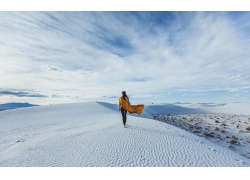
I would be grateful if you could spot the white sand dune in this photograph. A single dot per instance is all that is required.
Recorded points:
(233, 108)
(91, 134)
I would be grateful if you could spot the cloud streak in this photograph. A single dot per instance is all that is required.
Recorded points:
(21, 94)
(96, 55)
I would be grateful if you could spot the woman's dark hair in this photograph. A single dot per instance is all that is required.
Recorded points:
(124, 95)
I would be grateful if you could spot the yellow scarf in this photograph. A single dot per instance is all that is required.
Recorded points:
(125, 104)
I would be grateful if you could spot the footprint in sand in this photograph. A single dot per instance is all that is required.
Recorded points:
(240, 161)
(211, 149)
(199, 141)
(21, 140)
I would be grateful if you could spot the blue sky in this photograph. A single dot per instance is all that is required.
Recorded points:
(60, 57)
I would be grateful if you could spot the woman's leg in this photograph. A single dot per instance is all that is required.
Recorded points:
(124, 118)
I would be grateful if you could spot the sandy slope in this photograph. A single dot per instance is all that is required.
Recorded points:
(91, 134)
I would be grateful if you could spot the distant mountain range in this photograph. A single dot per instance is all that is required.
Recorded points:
(15, 105)
(181, 103)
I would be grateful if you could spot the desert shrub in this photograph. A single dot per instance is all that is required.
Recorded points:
(196, 131)
(233, 141)
(207, 134)
(234, 137)
(216, 129)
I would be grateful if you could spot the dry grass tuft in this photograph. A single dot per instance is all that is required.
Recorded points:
(196, 131)
(233, 141)
(207, 134)
(222, 131)
(234, 137)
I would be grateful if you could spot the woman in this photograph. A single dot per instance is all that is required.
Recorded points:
(124, 106)
(122, 101)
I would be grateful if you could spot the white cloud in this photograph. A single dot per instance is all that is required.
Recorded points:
(239, 77)
(96, 54)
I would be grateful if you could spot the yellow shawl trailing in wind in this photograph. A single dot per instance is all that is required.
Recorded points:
(125, 104)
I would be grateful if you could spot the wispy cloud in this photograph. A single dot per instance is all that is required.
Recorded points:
(93, 55)
(240, 77)
(21, 94)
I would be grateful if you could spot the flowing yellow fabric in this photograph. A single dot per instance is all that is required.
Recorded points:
(125, 104)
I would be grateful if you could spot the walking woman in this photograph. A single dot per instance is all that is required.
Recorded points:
(123, 100)
(124, 107)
